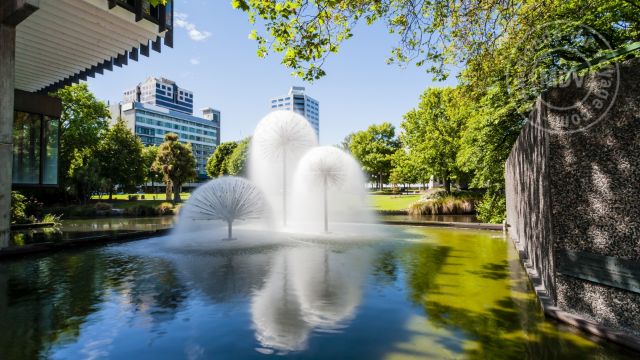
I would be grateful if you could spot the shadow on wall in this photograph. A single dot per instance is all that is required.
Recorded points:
(573, 186)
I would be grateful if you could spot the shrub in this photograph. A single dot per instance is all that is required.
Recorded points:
(165, 208)
(81, 211)
(51, 218)
(101, 206)
(444, 205)
(141, 210)
(18, 206)
(133, 197)
(492, 208)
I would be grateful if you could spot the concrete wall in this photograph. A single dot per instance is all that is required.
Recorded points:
(576, 187)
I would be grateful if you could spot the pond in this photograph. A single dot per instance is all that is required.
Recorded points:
(86, 228)
(424, 293)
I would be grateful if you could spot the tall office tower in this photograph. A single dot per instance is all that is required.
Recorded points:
(149, 115)
(161, 92)
(296, 100)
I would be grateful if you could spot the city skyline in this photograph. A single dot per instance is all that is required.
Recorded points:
(214, 58)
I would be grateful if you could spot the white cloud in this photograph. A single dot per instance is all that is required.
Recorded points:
(180, 20)
(195, 61)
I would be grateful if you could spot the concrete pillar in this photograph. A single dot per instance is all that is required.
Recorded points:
(7, 85)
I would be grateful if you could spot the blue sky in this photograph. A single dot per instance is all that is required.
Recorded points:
(213, 57)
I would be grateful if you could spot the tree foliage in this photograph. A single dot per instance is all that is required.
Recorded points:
(237, 161)
(84, 174)
(149, 154)
(218, 162)
(120, 157)
(374, 149)
(433, 132)
(83, 122)
(176, 162)
(435, 33)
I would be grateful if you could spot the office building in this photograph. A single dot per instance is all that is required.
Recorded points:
(161, 92)
(297, 100)
(150, 116)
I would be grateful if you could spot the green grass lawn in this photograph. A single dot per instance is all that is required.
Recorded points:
(392, 202)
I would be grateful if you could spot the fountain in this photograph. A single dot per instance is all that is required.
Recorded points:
(227, 199)
(328, 190)
(280, 139)
(342, 194)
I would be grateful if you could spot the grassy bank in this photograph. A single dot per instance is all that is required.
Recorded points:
(392, 202)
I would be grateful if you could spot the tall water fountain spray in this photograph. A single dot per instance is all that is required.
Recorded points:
(280, 139)
(227, 199)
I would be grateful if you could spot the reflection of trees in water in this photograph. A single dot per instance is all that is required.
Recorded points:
(44, 302)
(479, 290)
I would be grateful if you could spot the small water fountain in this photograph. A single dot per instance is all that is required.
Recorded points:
(227, 199)
(324, 166)
(280, 139)
(329, 185)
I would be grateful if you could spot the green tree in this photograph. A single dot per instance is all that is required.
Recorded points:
(120, 157)
(403, 169)
(84, 120)
(153, 176)
(237, 162)
(217, 164)
(84, 174)
(434, 33)
(177, 164)
(374, 148)
(433, 131)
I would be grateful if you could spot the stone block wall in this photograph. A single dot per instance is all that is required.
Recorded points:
(573, 187)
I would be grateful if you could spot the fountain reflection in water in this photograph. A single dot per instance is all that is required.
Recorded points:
(308, 289)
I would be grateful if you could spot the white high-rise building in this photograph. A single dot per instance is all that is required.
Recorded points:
(296, 100)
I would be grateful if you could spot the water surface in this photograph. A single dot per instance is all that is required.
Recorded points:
(424, 293)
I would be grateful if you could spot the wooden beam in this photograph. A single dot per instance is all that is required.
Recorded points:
(13, 12)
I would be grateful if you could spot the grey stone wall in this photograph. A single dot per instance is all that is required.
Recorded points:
(576, 186)
(528, 200)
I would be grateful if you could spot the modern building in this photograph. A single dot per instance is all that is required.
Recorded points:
(297, 100)
(161, 92)
(150, 115)
(46, 45)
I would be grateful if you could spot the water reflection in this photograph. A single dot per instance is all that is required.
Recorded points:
(308, 288)
(453, 294)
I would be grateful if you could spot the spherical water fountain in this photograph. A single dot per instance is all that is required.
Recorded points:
(227, 199)
(280, 139)
(328, 185)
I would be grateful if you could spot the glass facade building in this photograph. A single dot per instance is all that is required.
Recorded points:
(150, 123)
(298, 101)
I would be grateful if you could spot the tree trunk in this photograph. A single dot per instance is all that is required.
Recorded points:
(168, 191)
(447, 184)
(110, 194)
(176, 193)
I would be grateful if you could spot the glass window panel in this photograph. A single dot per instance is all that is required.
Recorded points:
(51, 147)
(26, 148)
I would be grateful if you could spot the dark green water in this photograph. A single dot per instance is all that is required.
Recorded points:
(426, 293)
